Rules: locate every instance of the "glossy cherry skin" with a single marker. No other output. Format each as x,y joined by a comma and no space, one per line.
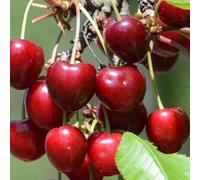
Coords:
26,62
168,129
66,148
163,49
133,121
82,173
71,85
120,88
41,108
102,148
26,140
173,16
161,63
127,38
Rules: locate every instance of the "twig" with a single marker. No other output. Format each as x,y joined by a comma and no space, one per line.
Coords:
174,44
77,31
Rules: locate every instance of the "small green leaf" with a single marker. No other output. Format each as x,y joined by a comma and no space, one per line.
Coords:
138,159
183,4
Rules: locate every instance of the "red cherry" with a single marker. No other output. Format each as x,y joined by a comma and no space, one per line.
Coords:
66,148
168,129
173,16
26,62
161,63
120,88
163,49
133,121
71,85
127,38
82,173
102,148
188,44
41,108
26,140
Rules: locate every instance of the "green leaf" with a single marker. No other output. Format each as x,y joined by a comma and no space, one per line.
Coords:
138,159
183,4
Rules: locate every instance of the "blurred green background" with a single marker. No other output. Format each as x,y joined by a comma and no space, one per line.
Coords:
173,85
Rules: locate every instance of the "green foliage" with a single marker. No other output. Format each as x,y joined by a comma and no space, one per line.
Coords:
138,159
183,4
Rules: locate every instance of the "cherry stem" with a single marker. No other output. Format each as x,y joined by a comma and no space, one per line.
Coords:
25,19
95,27
91,173
174,44
156,8
92,52
106,119
117,14
44,16
65,117
94,123
53,56
40,6
151,71
59,176
73,57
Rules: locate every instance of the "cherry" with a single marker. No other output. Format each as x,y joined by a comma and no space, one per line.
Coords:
173,16
41,108
163,49
188,44
26,140
168,129
82,173
127,38
161,63
71,85
120,88
133,121
66,148
26,62
102,148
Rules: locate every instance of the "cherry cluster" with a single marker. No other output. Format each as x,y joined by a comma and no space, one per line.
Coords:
89,145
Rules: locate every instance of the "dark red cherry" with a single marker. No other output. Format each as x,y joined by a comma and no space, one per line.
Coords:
127,38
173,16
120,88
82,173
41,108
71,85
66,148
161,63
168,129
26,62
133,121
26,140
188,44
163,49
102,148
